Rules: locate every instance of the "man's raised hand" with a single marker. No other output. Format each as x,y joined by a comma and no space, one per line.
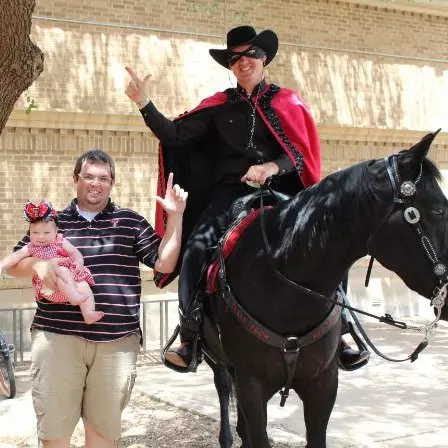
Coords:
175,199
138,89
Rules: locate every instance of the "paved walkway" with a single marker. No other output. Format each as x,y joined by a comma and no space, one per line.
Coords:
385,405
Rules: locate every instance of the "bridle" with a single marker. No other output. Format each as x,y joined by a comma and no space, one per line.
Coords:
403,193
403,196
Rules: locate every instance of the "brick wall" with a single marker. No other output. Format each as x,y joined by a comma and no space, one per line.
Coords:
358,66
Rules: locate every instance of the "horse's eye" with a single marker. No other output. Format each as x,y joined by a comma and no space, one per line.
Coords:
438,211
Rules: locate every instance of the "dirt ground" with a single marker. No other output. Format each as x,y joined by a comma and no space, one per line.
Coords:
147,422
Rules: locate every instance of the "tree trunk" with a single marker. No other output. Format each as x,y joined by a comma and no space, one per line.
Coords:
21,62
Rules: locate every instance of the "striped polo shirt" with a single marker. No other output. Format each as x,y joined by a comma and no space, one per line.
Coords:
113,244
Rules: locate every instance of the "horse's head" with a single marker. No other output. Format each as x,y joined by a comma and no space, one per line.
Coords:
411,237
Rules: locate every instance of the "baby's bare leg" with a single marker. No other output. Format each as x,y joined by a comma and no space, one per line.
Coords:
88,307
69,288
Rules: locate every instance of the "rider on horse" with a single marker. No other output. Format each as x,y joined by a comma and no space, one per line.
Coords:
246,134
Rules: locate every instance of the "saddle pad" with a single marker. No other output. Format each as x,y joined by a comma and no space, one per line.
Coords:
228,244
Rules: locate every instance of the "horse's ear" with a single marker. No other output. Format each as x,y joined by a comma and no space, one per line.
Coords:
419,151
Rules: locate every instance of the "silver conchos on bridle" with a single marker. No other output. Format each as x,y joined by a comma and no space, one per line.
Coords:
403,193
439,269
412,215
408,188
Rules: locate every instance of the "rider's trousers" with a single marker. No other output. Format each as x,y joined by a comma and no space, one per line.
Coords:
205,235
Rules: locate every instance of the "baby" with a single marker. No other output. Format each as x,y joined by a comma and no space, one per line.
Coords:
46,243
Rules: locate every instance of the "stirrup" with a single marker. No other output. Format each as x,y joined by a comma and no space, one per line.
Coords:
356,337
353,367
362,347
195,358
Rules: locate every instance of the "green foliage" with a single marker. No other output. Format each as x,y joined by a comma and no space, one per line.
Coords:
210,8
30,104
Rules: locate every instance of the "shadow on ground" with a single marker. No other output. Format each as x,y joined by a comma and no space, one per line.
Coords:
384,405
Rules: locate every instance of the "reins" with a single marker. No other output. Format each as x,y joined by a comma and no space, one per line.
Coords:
386,318
411,214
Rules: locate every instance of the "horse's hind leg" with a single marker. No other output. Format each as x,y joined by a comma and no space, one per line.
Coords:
252,403
318,400
223,385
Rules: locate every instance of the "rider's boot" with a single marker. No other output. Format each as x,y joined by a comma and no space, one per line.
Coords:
351,359
187,356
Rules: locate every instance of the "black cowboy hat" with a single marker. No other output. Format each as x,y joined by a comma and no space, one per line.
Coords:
246,35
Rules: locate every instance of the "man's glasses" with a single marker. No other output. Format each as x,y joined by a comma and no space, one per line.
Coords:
103,180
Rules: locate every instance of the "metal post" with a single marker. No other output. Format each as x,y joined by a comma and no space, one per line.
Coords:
166,320
144,325
21,334
161,325
14,333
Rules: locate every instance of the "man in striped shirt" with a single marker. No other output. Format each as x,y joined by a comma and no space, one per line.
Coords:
88,371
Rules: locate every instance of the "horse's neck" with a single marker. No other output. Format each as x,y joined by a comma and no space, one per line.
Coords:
324,230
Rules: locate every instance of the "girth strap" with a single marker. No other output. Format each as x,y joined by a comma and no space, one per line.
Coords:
291,345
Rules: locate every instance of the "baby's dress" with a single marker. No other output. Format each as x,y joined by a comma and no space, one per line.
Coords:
55,250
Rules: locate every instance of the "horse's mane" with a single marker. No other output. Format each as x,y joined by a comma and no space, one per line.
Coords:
429,165
327,199
340,194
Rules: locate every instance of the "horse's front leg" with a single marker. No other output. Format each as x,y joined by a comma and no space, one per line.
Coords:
223,385
252,402
318,400
242,430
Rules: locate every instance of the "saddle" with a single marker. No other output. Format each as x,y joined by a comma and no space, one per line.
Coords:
242,213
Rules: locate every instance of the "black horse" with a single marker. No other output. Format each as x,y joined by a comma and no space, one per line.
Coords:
392,209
